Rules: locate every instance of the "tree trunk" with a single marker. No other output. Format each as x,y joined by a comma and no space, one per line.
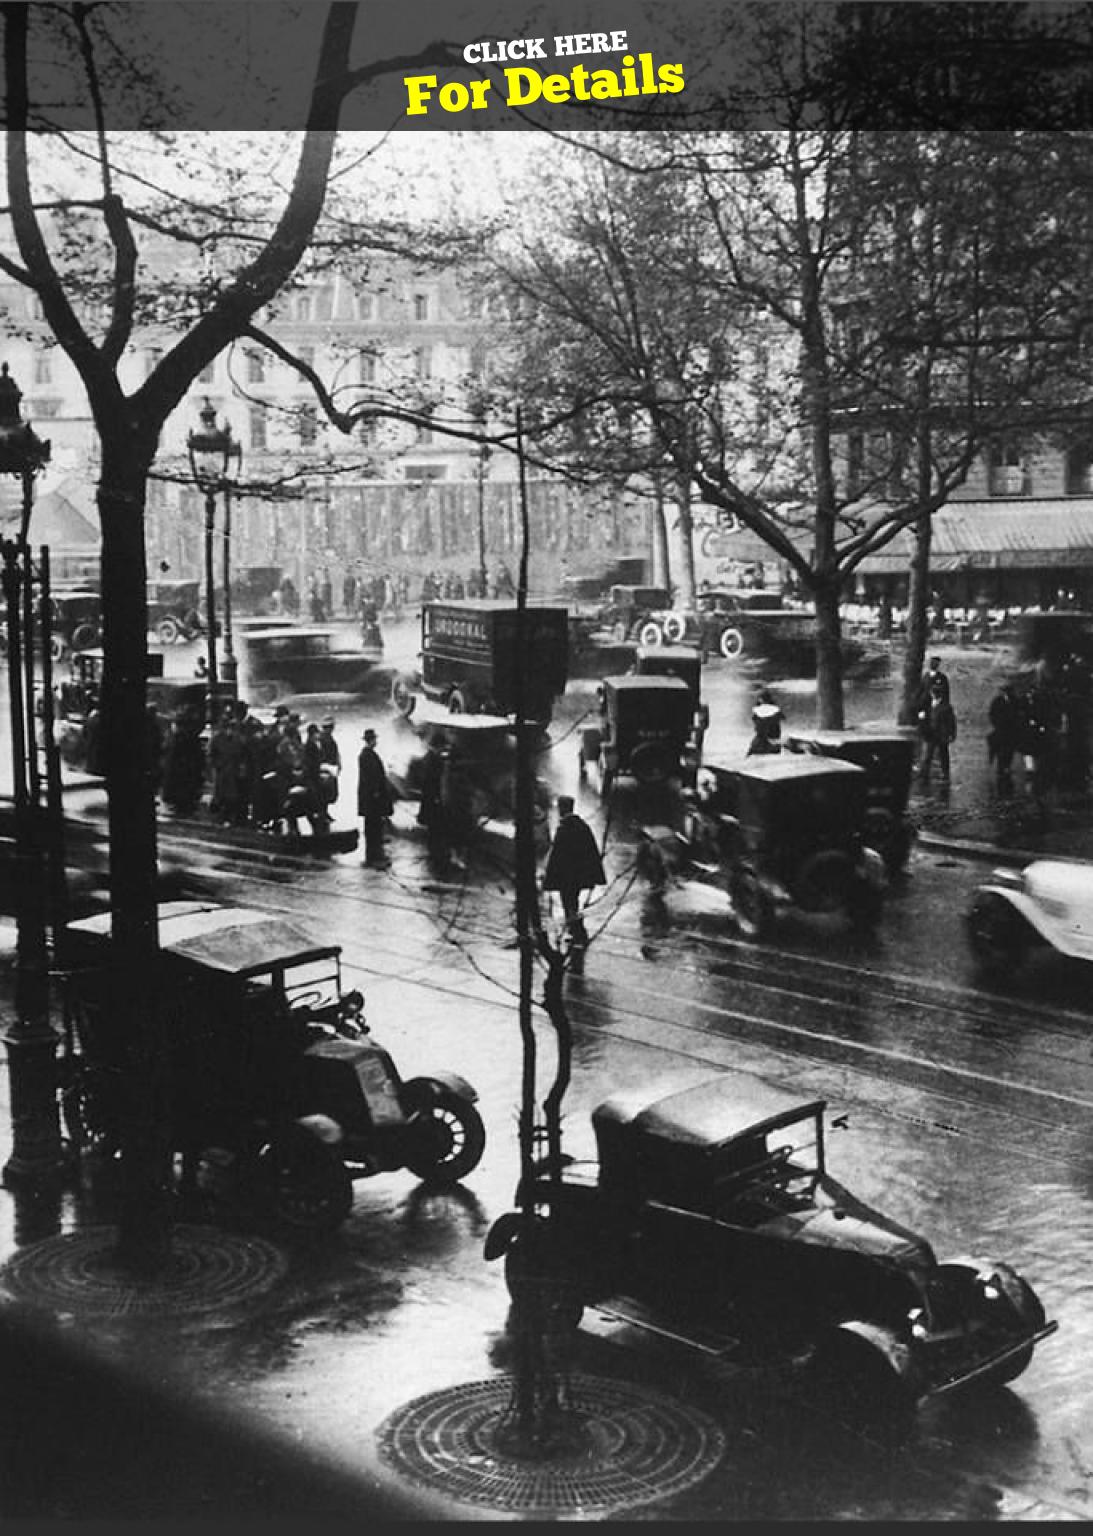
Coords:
685,587
661,573
829,665
918,620
144,1216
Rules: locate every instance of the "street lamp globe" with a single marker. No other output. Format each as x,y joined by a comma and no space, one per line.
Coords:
22,451
211,451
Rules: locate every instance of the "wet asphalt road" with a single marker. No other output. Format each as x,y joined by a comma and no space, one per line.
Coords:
968,1113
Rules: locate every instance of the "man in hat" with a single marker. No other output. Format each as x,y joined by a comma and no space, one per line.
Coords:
374,801
573,865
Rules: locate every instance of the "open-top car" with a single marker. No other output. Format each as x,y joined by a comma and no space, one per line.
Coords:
645,731
888,756
710,1217
276,1090
1046,905
777,832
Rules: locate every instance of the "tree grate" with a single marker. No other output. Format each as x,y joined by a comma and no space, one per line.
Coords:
632,1446
207,1270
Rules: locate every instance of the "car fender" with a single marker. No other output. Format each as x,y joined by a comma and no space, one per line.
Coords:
502,1235
1053,933
987,1275
888,1344
321,1128
872,869
427,1090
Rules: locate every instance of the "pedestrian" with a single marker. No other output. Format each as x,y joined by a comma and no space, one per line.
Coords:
326,595
374,801
932,675
884,617
1004,736
1076,688
573,865
330,760
766,720
432,813
937,727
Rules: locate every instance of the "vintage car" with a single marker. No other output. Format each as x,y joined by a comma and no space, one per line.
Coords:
728,621
77,704
278,1094
1046,905
645,730
174,611
283,659
685,662
470,659
627,608
75,621
778,833
710,1218
888,756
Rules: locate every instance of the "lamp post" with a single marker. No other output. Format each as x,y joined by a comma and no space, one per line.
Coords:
31,1041
483,463
211,451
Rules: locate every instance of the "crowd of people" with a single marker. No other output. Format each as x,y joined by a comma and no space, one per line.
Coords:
1044,727
252,773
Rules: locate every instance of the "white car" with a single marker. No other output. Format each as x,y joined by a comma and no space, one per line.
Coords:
1049,902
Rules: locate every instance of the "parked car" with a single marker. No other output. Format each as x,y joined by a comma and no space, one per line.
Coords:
174,611
75,620
710,1217
470,655
278,1093
284,659
888,756
776,833
1048,904
627,609
77,706
645,731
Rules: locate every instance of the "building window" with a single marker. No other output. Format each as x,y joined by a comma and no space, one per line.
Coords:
1079,470
256,368
43,410
366,368
258,420
423,362
1007,472
302,306
366,306
306,423
324,304
369,431
424,472
421,306
43,368
207,374
306,356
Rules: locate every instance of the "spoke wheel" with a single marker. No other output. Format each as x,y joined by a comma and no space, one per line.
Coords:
651,633
402,697
450,1139
168,631
675,628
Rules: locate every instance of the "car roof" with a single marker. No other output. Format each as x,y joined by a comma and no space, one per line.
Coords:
775,767
689,653
239,941
645,682
711,1112
851,733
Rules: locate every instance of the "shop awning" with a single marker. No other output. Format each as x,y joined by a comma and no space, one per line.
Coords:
993,535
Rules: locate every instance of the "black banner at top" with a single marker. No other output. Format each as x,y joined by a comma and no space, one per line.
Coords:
614,64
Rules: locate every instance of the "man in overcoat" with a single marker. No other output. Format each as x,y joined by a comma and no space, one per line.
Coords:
573,865
374,801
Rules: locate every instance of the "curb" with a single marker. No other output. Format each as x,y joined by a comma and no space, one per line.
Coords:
971,848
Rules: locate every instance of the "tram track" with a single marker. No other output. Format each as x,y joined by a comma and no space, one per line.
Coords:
787,1008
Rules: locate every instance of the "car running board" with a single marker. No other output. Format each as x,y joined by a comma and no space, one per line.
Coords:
626,1309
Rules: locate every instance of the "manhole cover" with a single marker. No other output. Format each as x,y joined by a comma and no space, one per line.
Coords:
77,1272
634,1446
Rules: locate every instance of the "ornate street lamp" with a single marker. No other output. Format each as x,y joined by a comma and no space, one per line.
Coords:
31,1040
211,451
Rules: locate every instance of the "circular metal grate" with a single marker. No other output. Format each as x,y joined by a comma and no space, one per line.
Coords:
633,1446
77,1272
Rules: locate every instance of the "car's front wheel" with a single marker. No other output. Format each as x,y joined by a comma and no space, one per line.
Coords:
308,1186
999,936
449,1140
750,905
864,1378
168,631
731,643
675,628
650,634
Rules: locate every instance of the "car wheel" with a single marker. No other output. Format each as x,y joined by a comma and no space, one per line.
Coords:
998,935
58,647
731,644
308,1187
83,636
865,1379
650,633
449,1140
168,631
675,628
750,905
403,697
825,882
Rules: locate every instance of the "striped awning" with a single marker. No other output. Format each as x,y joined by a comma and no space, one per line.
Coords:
998,535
